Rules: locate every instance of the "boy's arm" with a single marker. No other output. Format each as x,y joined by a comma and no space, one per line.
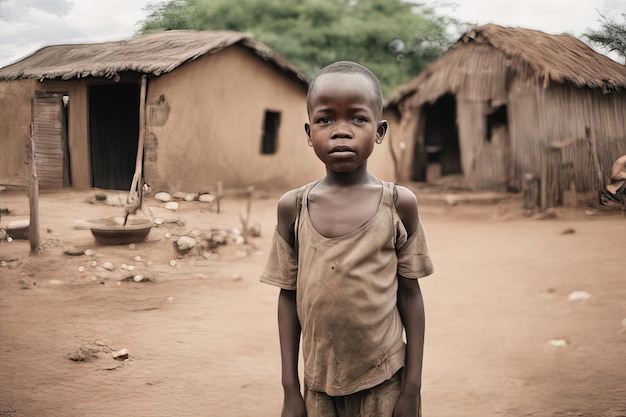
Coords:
289,335
288,323
411,308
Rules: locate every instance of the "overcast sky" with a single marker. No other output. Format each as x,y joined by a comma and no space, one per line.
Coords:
27,25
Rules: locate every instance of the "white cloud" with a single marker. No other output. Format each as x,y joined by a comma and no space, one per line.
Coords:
27,25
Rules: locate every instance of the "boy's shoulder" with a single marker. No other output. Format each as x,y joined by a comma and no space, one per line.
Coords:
289,201
288,210
406,206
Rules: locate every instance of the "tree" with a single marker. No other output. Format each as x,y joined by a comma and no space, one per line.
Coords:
394,38
612,36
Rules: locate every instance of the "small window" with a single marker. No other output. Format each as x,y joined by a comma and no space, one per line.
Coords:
497,118
269,141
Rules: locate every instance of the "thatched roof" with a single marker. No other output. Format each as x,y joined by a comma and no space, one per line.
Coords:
550,58
155,54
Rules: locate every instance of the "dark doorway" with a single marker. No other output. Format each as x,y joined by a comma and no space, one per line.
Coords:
440,154
113,134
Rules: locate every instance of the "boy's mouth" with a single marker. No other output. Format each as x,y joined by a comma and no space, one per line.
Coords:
342,151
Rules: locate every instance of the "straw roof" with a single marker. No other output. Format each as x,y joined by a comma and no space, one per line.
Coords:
155,54
550,58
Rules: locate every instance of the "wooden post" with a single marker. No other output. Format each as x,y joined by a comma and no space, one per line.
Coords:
544,184
594,152
33,199
135,195
219,195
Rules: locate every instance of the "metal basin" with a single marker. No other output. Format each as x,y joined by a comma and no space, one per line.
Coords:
112,232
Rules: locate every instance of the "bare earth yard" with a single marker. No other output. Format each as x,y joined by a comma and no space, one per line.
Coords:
506,334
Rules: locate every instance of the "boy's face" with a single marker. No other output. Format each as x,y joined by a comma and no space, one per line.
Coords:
343,120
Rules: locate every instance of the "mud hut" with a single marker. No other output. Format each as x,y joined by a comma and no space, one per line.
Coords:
218,107
507,105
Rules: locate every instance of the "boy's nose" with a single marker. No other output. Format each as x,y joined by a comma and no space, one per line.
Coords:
341,131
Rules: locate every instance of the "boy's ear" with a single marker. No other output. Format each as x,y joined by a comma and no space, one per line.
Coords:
307,129
381,131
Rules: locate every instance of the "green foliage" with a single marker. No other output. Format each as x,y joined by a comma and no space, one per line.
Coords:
612,36
394,38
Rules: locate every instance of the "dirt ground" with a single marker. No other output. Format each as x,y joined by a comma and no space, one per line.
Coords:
524,315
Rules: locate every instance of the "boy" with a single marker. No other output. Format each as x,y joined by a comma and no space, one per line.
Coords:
347,252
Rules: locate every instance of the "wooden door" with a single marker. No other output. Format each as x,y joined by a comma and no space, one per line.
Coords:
49,132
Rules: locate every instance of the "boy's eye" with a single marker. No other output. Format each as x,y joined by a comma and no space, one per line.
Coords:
324,120
359,119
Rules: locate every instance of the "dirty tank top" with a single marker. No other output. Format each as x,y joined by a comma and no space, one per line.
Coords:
346,292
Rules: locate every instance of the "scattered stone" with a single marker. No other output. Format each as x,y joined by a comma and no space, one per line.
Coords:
451,199
74,252
81,269
108,266
579,296
84,354
24,285
206,198
185,243
172,205
558,342
90,252
55,282
190,197
137,278
178,195
254,230
121,355
568,231
170,299
100,197
162,196
173,262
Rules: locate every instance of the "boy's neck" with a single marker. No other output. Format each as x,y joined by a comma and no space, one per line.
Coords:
346,179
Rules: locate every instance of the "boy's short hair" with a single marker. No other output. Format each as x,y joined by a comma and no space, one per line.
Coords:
347,67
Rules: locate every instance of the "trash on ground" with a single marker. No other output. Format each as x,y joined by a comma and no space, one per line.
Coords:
579,296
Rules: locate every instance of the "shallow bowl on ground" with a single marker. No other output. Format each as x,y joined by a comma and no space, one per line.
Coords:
112,232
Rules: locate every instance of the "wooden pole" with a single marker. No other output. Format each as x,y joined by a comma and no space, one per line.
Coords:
134,200
594,152
33,199
543,202
219,195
